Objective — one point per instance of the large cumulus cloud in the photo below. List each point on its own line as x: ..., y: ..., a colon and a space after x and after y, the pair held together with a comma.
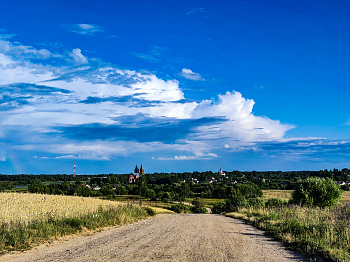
x: 83, y: 107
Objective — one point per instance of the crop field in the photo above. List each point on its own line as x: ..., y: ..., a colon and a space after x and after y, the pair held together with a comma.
x: 18, y: 208
x: 28, y: 219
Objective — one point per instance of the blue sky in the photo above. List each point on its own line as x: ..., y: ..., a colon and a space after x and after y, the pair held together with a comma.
x: 174, y: 85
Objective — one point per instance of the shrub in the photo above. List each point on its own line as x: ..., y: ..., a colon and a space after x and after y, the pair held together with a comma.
x: 73, y: 222
x: 219, y: 207
x: 234, y: 200
x: 275, y: 202
x: 315, y: 191
x: 198, y: 205
x: 198, y: 202
x: 202, y: 210
x: 180, y: 208
x: 256, y: 202
x: 149, y: 211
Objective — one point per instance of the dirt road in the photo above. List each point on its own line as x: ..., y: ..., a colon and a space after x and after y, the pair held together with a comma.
x: 189, y: 237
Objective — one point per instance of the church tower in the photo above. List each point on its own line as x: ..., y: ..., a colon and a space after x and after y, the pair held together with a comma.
x: 137, y: 171
x: 142, y: 171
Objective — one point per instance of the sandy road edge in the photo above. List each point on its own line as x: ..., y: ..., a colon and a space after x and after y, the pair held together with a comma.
x: 57, y: 240
x: 313, y: 257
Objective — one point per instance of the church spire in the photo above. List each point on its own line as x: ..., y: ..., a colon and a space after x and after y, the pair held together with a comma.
x: 137, y: 169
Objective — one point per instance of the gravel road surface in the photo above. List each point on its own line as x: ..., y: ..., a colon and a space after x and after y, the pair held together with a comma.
x: 188, y: 237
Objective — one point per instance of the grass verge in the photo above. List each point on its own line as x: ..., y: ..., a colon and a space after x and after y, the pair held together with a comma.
x: 313, y: 231
x: 20, y: 236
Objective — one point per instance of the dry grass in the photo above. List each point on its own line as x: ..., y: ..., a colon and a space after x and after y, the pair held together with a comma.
x: 345, y: 198
x: 286, y: 194
x: 283, y: 194
x: 312, y: 230
x: 160, y: 210
x: 24, y: 208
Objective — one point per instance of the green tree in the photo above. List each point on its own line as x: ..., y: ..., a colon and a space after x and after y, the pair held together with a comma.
x: 234, y: 200
x: 250, y: 190
x: 151, y: 193
x: 316, y: 191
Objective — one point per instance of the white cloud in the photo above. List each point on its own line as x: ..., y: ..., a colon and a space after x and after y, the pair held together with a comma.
x: 242, y: 125
x: 189, y: 74
x: 12, y: 71
x: 85, y: 157
x: 84, y: 29
x: 113, y: 93
x: 199, y: 156
x: 78, y: 57
x: 197, y: 10
x: 7, y: 36
x: 24, y: 52
x: 3, y: 159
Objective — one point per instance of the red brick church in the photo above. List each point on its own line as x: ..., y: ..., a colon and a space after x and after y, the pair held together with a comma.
x: 134, y: 177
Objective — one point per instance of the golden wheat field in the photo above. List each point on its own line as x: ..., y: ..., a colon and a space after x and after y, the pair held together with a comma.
x: 25, y: 208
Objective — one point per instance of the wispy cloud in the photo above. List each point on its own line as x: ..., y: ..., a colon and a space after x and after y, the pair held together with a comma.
x: 197, y: 10
x: 200, y: 156
x: 84, y: 29
x: 7, y: 36
x: 154, y: 55
x: 4, y: 35
x: 310, y: 149
x: 189, y: 74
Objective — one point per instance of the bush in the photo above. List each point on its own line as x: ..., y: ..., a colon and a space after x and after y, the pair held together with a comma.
x: 219, y: 207
x: 202, y: 210
x: 149, y: 211
x: 235, y: 199
x: 180, y: 208
x: 315, y: 191
x: 73, y: 222
x: 198, y: 202
x: 256, y: 202
x: 198, y: 205
x: 275, y: 202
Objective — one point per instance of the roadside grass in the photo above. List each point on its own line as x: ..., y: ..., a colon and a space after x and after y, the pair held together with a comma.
x: 311, y: 230
x: 29, y: 219
x: 158, y: 206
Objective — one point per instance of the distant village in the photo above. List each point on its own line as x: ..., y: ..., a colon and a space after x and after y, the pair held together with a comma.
x: 206, y: 184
